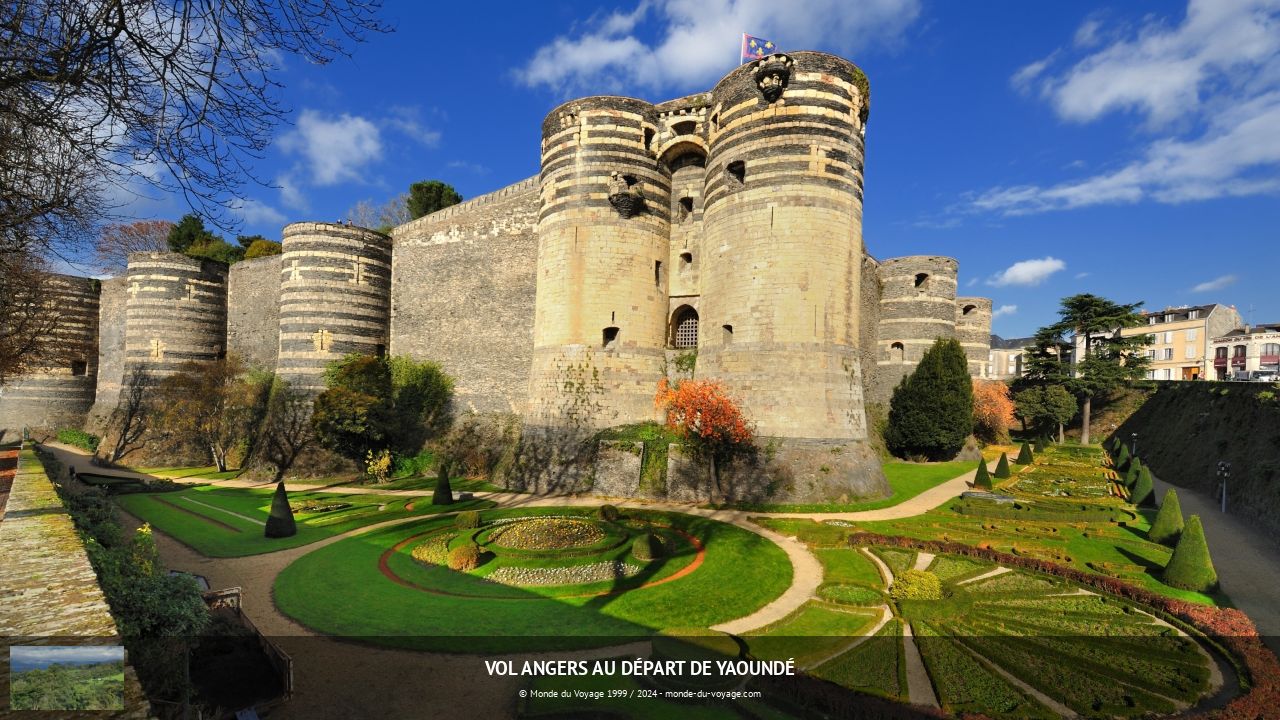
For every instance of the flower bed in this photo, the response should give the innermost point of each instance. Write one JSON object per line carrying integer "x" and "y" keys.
{"x": 547, "y": 534}
{"x": 568, "y": 575}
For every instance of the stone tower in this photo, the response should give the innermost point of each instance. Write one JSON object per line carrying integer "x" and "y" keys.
{"x": 175, "y": 311}
{"x": 917, "y": 306}
{"x": 973, "y": 330}
{"x": 59, "y": 392}
{"x": 599, "y": 332}
{"x": 335, "y": 298}
{"x": 782, "y": 224}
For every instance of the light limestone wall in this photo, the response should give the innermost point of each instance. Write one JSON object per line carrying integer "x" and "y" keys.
{"x": 176, "y": 311}
{"x": 973, "y": 330}
{"x": 253, "y": 311}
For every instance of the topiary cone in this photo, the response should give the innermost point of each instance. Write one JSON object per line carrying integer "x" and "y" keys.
{"x": 1190, "y": 567}
{"x": 280, "y": 522}
{"x": 1122, "y": 459}
{"x": 444, "y": 493}
{"x": 982, "y": 481}
{"x": 1143, "y": 489}
{"x": 1002, "y": 467}
{"x": 1131, "y": 476}
{"x": 1024, "y": 454}
{"x": 1168, "y": 523}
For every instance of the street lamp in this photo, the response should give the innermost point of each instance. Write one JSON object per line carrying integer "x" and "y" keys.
{"x": 1133, "y": 449}
{"x": 1224, "y": 474}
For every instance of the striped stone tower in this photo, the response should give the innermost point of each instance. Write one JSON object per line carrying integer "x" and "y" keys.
{"x": 782, "y": 224}
{"x": 973, "y": 330}
{"x": 60, "y": 391}
{"x": 603, "y": 246}
{"x": 175, "y": 311}
{"x": 335, "y": 298}
{"x": 917, "y": 306}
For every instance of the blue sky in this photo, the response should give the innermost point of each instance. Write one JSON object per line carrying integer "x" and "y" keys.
{"x": 30, "y": 657}
{"x": 1126, "y": 149}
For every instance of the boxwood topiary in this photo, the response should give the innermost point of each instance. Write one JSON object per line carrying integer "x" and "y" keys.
{"x": 444, "y": 491}
{"x": 608, "y": 513}
{"x": 1168, "y": 523}
{"x": 464, "y": 557}
{"x": 280, "y": 522}
{"x": 916, "y": 585}
{"x": 1024, "y": 454}
{"x": 467, "y": 520}
{"x": 647, "y": 547}
{"x": 1143, "y": 489}
{"x": 1002, "y": 467}
{"x": 1190, "y": 567}
{"x": 982, "y": 480}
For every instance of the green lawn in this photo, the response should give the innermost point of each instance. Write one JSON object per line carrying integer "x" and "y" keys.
{"x": 229, "y": 522}
{"x": 339, "y": 590}
{"x": 907, "y": 480}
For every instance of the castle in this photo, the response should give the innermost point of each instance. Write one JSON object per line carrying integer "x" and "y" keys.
{"x": 727, "y": 222}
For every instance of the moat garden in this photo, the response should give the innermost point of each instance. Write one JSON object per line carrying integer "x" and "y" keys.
{"x": 1046, "y": 596}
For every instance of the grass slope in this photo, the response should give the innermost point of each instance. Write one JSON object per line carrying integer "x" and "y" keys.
{"x": 907, "y": 480}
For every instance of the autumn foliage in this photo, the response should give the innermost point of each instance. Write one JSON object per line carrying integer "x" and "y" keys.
{"x": 992, "y": 410}
{"x": 704, "y": 414}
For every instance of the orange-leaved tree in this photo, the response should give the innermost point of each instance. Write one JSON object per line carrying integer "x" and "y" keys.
{"x": 992, "y": 410}
{"x": 708, "y": 419}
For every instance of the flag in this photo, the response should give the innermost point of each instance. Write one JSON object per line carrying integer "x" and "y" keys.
{"x": 754, "y": 48}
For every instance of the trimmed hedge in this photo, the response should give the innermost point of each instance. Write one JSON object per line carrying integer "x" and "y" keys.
{"x": 1190, "y": 567}
{"x": 443, "y": 494}
{"x": 1002, "y": 467}
{"x": 1024, "y": 454}
{"x": 1143, "y": 489}
{"x": 647, "y": 547}
{"x": 1167, "y": 526}
{"x": 280, "y": 522}
{"x": 79, "y": 438}
{"x": 982, "y": 480}
{"x": 464, "y": 557}
{"x": 467, "y": 520}
{"x": 608, "y": 513}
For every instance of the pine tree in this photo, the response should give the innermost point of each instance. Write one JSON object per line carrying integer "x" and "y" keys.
{"x": 444, "y": 492}
{"x": 1024, "y": 454}
{"x": 1143, "y": 489}
{"x": 1002, "y": 467}
{"x": 931, "y": 412}
{"x": 1190, "y": 567}
{"x": 1168, "y": 523}
{"x": 982, "y": 480}
{"x": 280, "y": 523}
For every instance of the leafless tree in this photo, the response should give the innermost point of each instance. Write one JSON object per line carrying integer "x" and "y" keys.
{"x": 131, "y": 417}
{"x": 30, "y": 319}
{"x": 288, "y": 430}
{"x": 178, "y": 95}
{"x": 387, "y": 215}
{"x": 115, "y": 242}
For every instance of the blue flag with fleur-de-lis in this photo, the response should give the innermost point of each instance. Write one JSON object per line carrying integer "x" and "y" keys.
{"x": 754, "y": 48}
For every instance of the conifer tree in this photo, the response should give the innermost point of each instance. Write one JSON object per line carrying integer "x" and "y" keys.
{"x": 931, "y": 412}
{"x": 1002, "y": 467}
{"x": 1190, "y": 567}
{"x": 1122, "y": 460}
{"x": 1168, "y": 523}
{"x": 982, "y": 480}
{"x": 1024, "y": 454}
{"x": 1131, "y": 475}
{"x": 280, "y": 522}
{"x": 444, "y": 492}
{"x": 1143, "y": 489}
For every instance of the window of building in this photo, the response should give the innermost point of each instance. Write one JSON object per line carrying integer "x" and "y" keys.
{"x": 686, "y": 208}
{"x": 1153, "y": 339}
{"x": 1151, "y": 374}
{"x": 684, "y": 327}
{"x": 1191, "y": 351}
{"x": 610, "y": 336}
{"x": 1271, "y": 349}
{"x": 1164, "y": 374}
{"x": 921, "y": 279}
{"x": 1240, "y": 351}
{"x": 1151, "y": 320}
{"x": 79, "y": 367}
{"x": 1220, "y": 353}
{"x": 726, "y": 334}
{"x": 897, "y": 352}
{"x": 735, "y": 174}
{"x": 1193, "y": 315}
{"x": 648, "y": 137}
{"x": 1168, "y": 337}
{"x": 1151, "y": 354}
{"x": 686, "y": 259}
{"x": 1168, "y": 354}
{"x": 1192, "y": 334}
{"x": 380, "y": 350}
{"x": 657, "y": 273}
{"x": 1168, "y": 318}
{"x": 968, "y": 309}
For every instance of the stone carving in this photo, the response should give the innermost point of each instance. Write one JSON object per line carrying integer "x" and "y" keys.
{"x": 772, "y": 74}
{"x": 625, "y": 195}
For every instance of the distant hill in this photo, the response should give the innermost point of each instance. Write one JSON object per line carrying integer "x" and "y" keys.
{"x": 90, "y": 686}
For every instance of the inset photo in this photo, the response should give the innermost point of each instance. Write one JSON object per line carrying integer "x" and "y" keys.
{"x": 66, "y": 677}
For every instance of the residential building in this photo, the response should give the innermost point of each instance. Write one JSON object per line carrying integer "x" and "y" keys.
{"x": 1006, "y": 357}
{"x": 1245, "y": 350}
{"x": 1179, "y": 339}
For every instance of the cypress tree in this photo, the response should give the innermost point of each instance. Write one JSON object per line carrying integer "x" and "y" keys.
{"x": 1002, "y": 467}
{"x": 444, "y": 493}
{"x": 280, "y": 521}
{"x": 1143, "y": 489}
{"x": 982, "y": 481}
{"x": 1190, "y": 567}
{"x": 1024, "y": 454}
{"x": 1168, "y": 523}
{"x": 931, "y": 412}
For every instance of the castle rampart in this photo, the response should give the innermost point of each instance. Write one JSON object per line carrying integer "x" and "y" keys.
{"x": 973, "y": 330}
{"x": 917, "y": 306}
{"x": 176, "y": 311}
{"x": 253, "y": 311}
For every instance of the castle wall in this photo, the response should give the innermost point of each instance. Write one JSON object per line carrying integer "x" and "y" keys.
{"x": 600, "y": 321}
{"x": 868, "y": 332}
{"x": 253, "y": 311}
{"x": 111, "y": 334}
{"x": 335, "y": 298}
{"x": 973, "y": 330}
{"x": 917, "y": 306}
{"x": 783, "y": 233}
{"x": 60, "y": 391}
{"x": 463, "y": 288}
{"x": 176, "y": 311}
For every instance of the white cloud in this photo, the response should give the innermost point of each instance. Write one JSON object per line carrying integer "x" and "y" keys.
{"x": 698, "y": 39}
{"x": 1004, "y": 310}
{"x": 1217, "y": 283}
{"x": 408, "y": 120}
{"x": 1027, "y": 272}
{"x": 335, "y": 149}
{"x": 470, "y": 167}
{"x": 1081, "y": 275}
{"x": 256, "y": 212}
{"x": 41, "y": 655}
{"x": 291, "y": 192}
{"x": 1209, "y": 85}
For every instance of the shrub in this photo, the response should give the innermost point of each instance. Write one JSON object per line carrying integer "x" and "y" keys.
{"x": 1190, "y": 567}
{"x": 1143, "y": 489}
{"x": 79, "y": 438}
{"x": 992, "y": 410}
{"x": 280, "y": 522}
{"x": 1024, "y": 454}
{"x": 1002, "y": 467}
{"x": 444, "y": 491}
{"x": 405, "y": 466}
{"x": 916, "y": 585}
{"x": 434, "y": 550}
{"x": 1131, "y": 476}
{"x": 647, "y": 547}
{"x": 467, "y": 520}
{"x": 1168, "y": 523}
{"x": 982, "y": 481}
{"x": 464, "y": 557}
{"x": 931, "y": 412}
{"x": 1042, "y": 443}
{"x": 1122, "y": 458}
{"x": 262, "y": 248}
{"x": 378, "y": 465}
{"x": 608, "y": 513}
